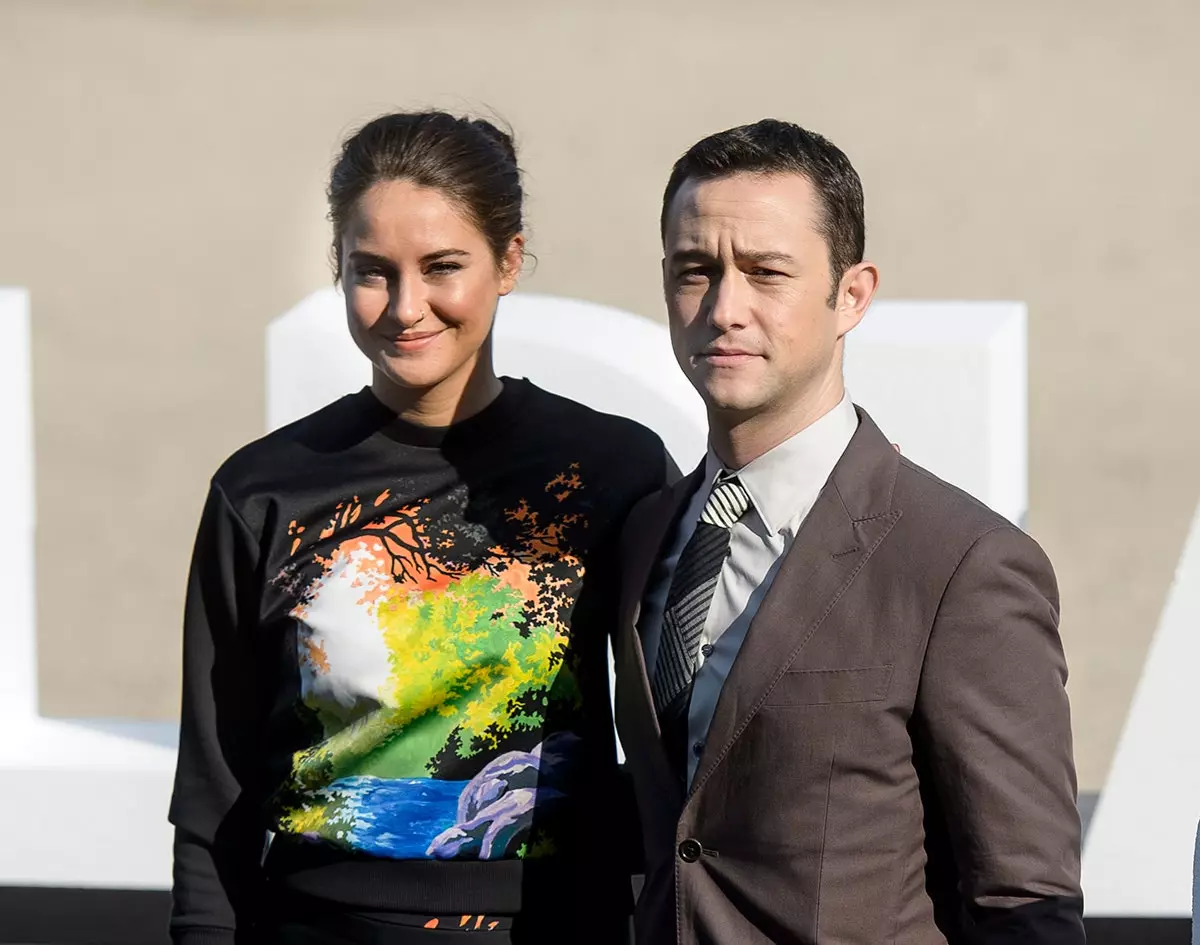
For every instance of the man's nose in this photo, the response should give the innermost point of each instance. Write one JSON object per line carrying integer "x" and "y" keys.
{"x": 728, "y": 309}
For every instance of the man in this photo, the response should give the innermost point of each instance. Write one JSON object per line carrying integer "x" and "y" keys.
{"x": 840, "y": 680}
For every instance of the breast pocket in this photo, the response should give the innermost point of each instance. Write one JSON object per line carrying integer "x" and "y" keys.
{"x": 832, "y": 686}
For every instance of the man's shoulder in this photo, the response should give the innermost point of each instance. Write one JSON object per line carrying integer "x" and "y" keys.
{"x": 947, "y": 521}
{"x": 648, "y": 514}
{"x": 937, "y": 500}
{"x": 638, "y": 515}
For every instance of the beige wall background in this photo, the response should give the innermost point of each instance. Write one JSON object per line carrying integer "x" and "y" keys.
{"x": 161, "y": 174}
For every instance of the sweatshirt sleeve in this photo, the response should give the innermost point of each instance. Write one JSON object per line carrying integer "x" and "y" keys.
{"x": 219, "y": 829}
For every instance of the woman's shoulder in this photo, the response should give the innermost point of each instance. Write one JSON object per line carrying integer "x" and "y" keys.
{"x": 571, "y": 421}
{"x": 612, "y": 445}
{"x": 579, "y": 422}
{"x": 289, "y": 451}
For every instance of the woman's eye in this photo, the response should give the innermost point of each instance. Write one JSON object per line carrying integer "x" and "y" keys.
{"x": 368, "y": 274}
{"x": 443, "y": 268}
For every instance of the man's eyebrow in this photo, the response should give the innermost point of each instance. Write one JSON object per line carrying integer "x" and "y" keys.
{"x": 767, "y": 256}
{"x": 690, "y": 255}
{"x": 750, "y": 256}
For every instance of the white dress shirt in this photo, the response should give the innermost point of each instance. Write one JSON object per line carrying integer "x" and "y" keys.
{"x": 783, "y": 484}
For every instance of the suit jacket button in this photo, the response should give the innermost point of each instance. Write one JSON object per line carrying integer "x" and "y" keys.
{"x": 690, "y": 850}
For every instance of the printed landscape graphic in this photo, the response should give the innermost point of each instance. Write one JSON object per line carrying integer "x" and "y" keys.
{"x": 432, "y": 654}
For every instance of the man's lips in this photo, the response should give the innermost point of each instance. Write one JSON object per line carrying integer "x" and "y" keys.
{"x": 720, "y": 357}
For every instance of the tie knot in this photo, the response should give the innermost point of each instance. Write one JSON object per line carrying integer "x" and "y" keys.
{"x": 726, "y": 503}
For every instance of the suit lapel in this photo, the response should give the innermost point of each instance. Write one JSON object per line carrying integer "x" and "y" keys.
{"x": 849, "y": 520}
{"x": 648, "y": 535}
{"x": 649, "y": 532}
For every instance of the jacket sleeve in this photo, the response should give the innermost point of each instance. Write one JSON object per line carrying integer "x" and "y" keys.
{"x": 219, "y": 833}
{"x": 993, "y": 721}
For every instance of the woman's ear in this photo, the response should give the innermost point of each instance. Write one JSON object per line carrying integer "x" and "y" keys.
{"x": 511, "y": 263}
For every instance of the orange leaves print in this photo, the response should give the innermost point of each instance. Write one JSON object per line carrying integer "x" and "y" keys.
{"x": 317, "y": 659}
{"x": 400, "y": 535}
{"x": 404, "y": 539}
{"x": 519, "y": 576}
{"x": 294, "y": 532}
{"x": 544, "y": 542}
{"x": 464, "y": 923}
{"x": 346, "y": 513}
{"x": 565, "y": 484}
{"x": 548, "y": 541}
{"x": 411, "y": 551}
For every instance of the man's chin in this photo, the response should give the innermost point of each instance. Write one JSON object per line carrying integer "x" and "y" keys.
{"x": 716, "y": 386}
{"x": 732, "y": 401}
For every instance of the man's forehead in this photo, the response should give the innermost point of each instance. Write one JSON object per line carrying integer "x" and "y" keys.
{"x": 742, "y": 202}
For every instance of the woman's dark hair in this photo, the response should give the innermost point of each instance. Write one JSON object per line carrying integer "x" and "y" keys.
{"x": 472, "y": 162}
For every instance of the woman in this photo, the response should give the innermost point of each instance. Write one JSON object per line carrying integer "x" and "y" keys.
{"x": 394, "y": 644}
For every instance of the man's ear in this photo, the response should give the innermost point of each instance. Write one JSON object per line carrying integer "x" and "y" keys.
{"x": 855, "y": 291}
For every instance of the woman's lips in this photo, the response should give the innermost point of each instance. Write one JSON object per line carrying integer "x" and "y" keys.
{"x": 413, "y": 342}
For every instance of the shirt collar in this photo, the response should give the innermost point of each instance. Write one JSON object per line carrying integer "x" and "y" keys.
{"x": 784, "y": 482}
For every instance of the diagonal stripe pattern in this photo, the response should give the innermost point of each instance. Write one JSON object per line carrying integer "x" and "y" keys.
{"x": 692, "y": 588}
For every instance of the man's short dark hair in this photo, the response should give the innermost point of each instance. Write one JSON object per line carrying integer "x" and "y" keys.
{"x": 770, "y": 146}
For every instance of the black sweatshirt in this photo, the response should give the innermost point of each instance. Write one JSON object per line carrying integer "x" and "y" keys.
{"x": 394, "y": 666}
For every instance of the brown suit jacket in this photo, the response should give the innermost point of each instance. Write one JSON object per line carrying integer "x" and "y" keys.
{"x": 890, "y": 758}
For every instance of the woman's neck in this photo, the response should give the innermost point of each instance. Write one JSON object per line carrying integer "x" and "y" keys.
{"x": 454, "y": 399}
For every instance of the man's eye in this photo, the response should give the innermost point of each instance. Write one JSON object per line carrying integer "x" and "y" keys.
{"x": 693, "y": 275}
{"x": 761, "y": 273}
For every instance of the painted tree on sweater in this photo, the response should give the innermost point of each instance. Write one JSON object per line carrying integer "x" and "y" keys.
{"x": 426, "y": 646}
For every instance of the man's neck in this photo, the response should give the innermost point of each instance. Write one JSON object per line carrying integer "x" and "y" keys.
{"x": 739, "y": 439}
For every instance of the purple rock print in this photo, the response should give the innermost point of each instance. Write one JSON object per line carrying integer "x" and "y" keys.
{"x": 499, "y": 802}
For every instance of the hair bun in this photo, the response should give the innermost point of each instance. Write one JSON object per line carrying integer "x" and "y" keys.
{"x": 502, "y": 138}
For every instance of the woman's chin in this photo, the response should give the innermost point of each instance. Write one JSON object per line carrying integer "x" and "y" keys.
{"x": 411, "y": 376}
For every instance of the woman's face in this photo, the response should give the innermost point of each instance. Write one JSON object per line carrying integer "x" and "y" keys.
{"x": 421, "y": 285}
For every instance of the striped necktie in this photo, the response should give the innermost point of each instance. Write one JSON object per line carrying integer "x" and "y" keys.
{"x": 691, "y": 593}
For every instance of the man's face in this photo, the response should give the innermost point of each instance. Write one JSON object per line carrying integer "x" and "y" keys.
{"x": 747, "y": 280}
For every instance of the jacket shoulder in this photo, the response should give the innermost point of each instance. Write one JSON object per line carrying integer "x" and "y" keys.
{"x": 919, "y": 493}
{"x": 953, "y": 519}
